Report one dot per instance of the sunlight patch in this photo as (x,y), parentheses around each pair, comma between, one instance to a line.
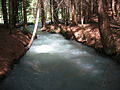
(42,49)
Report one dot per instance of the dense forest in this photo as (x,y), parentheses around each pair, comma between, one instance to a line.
(67,12)
(75,11)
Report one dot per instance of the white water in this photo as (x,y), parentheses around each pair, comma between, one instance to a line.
(54,63)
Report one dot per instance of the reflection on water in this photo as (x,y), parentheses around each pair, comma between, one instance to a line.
(53,63)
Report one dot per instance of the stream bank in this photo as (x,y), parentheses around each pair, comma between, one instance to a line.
(87,34)
(12,48)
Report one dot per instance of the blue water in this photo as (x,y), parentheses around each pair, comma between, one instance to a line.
(54,63)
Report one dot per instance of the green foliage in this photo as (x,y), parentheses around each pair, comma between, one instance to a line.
(63,32)
(31,10)
(20,13)
(1,17)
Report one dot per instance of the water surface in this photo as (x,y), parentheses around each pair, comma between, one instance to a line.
(54,63)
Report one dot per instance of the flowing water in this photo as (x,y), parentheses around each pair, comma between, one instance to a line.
(54,63)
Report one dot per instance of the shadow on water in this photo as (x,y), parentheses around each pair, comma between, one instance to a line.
(53,63)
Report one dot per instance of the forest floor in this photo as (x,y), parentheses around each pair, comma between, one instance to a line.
(87,34)
(12,47)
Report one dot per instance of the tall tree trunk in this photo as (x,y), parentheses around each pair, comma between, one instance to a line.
(36,25)
(51,13)
(74,18)
(114,8)
(16,20)
(13,12)
(25,14)
(79,11)
(67,16)
(67,12)
(10,16)
(63,13)
(95,7)
(4,11)
(55,12)
(90,9)
(43,14)
(82,17)
(118,10)
(104,26)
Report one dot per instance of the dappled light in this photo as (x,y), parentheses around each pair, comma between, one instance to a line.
(53,58)
(43,49)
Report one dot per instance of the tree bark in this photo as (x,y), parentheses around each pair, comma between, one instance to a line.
(74,18)
(55,12)
(25,14)
(51,13)
(36,25)
(10,16)
(16,20)
(13,12)
(104,27)
(82,17)
(42,14)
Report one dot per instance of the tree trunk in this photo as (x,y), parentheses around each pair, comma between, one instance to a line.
(51,13)
(13,12)
(79,11)
(114,8)
(25,14)
(43,14)
(95,7)
(10,16)
(67,12)
(90,9)
(104,27)
(82,17)
(16,20)
(74,19)
(36,25)
(118,10)
(63,13)
(55,12)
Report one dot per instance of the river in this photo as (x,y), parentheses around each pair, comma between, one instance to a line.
(54,63)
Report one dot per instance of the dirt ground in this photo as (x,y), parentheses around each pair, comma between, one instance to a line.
(12,47)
